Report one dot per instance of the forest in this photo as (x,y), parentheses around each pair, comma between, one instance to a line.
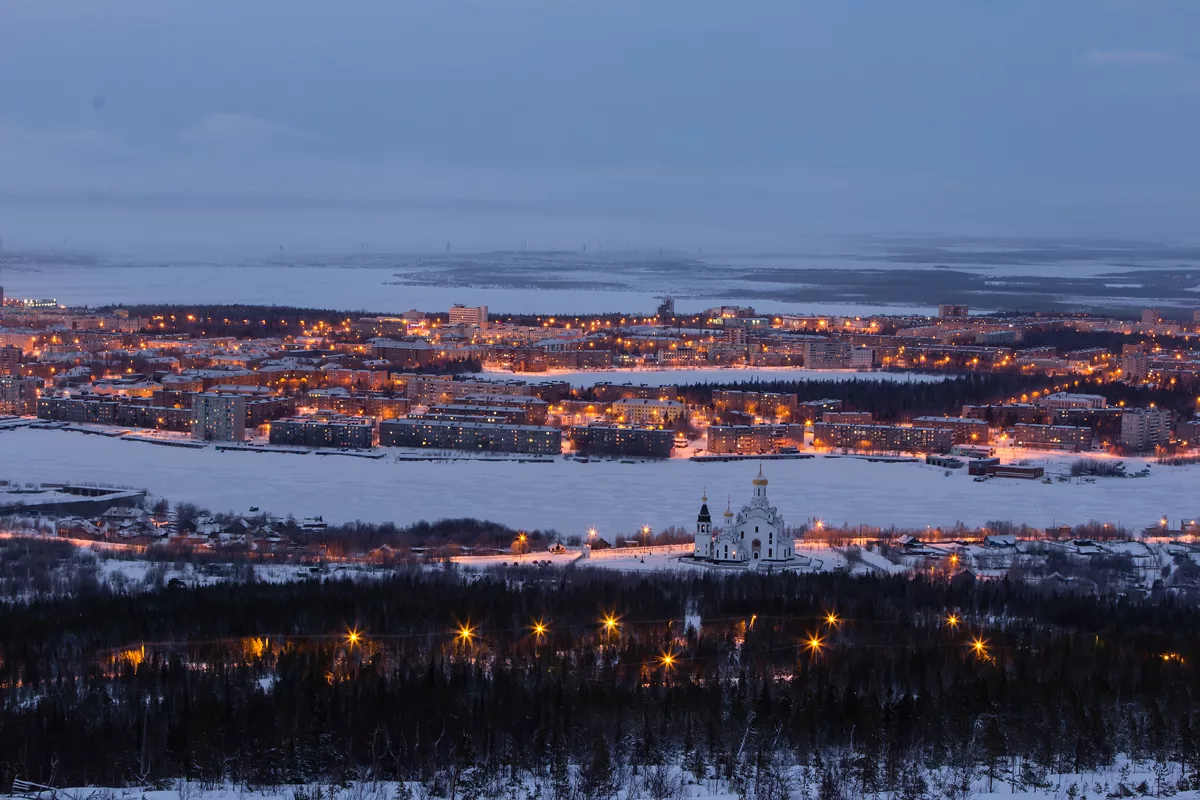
(464,681)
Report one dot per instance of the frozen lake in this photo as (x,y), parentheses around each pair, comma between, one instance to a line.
(570,497)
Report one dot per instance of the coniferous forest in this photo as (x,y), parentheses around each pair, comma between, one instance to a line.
(441,676)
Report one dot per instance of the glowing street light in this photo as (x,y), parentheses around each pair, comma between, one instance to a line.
(540,629)
(979,647)
(465,633)
(952,620)
(610,623)
(353,637)
(667,660)
(814,643)
(832,619)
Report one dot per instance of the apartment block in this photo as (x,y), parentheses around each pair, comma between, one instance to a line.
(748,439)
(1145,428)
(479,436)
(964,429)
(466,315)
(1053,437)
(19,395)
(635,411)
(219,417)
(896,438)
(324,429)
(619,440)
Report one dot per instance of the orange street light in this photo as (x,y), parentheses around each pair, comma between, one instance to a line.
(814,643)
(540,629)
(353,637)
(610,623)
(667,660)
(952,620)
(979,646)
(832,619)
(465,633)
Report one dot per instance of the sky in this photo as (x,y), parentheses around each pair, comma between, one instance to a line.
(140,126)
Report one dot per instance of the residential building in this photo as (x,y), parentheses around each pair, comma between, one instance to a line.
(762,404)
(10,360)
(324,429)
(465,315)
(1145,428)
(19,395)
(457,435)
(952,310)
(1052,437)
(1151,316)
(219,417)
(748,439)
(417,353)
(897,438)
(1064,401)
(605,392)
(826,354)
(848,417)
(619,440)
(1135,362)
(862,358)
(1188,432)
(637,411)
(964,429)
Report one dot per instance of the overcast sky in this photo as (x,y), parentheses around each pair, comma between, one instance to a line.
(132,125)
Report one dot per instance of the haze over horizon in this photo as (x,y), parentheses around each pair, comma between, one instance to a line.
(139,127)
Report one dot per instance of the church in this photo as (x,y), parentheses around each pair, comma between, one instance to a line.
(756,536)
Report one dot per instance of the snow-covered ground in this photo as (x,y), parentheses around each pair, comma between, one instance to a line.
(680,377)
(1107,782)
(615,498)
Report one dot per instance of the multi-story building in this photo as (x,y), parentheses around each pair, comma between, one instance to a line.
(763,404)
(19,395)
(897,438)
(747,439)
(1135,362)
(826,354)
(862,358)
(219,417)
(1145,428)
(534,409)
(366,404)
(1052,437)
(636,411)
(953,310)
(964,429)
(681,357)
(10,360)
(324,429)
(619,440)
(457,435)
(464,315)
(1064,401)
(469,412)
(605,392)
(848,417)
(428,390)
(1151,316)
(88,410)
(418,353)
(1007,415)
(1187,431)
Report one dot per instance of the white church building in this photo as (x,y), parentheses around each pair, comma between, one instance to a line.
(755,537)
